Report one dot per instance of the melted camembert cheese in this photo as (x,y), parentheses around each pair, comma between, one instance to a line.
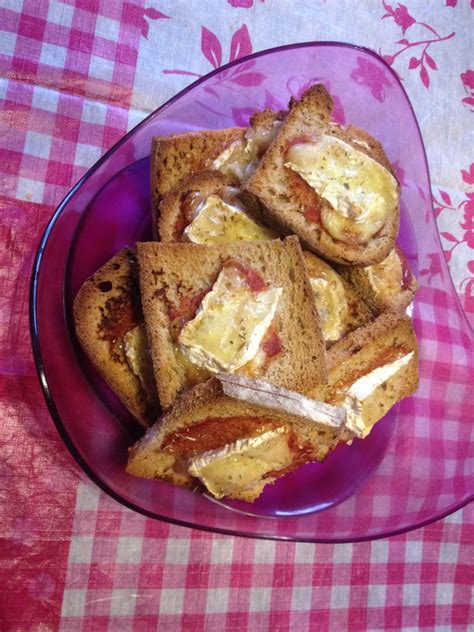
(218,222)
(330,298)
(361,193)
(331,304)
(240,158)
(239,466)
(230,324)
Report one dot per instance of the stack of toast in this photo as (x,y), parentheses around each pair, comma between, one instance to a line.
(267,323)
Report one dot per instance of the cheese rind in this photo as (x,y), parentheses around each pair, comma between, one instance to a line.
(386,276)
(360,192)
(353,398)
(230,324)
(239,466)
(217,222)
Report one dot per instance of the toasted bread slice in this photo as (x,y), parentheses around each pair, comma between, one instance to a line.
(351,233)
(174,278)
(386,286)
(234,152)
(340,308)
(211,431)
(109,325)
(388,342)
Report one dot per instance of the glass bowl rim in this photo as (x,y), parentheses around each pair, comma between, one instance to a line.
(38,355)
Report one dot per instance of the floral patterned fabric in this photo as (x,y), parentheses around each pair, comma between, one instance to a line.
(75,76)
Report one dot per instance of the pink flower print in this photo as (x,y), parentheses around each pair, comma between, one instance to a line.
(151,14)
(434,267)
(211,48)
(451,3)
(468,224)
(240,44)
(468,284)
(400,15)
(468,80)
(370,75)
(424,62)
(468,176)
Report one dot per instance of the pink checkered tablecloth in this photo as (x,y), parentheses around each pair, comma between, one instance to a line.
(75,76)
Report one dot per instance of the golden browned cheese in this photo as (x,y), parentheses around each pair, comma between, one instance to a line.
(361,193)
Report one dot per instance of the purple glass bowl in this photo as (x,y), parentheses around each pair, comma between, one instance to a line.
(416,466)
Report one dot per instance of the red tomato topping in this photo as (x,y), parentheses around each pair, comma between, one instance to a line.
(214,432)
(123,313)
(272,344)
(313,214)
(254,279)
(187,307)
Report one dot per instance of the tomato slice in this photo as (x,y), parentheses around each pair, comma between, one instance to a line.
(272,344)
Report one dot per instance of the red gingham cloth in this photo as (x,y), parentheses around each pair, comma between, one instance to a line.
(75,75)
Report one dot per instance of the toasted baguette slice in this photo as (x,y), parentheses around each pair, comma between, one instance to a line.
(234,152)
(386,340)
(386,286)
(340,308)
(290,201)
(109,326)
(228,409)
(175,274)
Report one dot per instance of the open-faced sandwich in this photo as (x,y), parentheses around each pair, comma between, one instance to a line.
(243,308)
(234,435)
(333,187)
(370,370)
(110,327)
